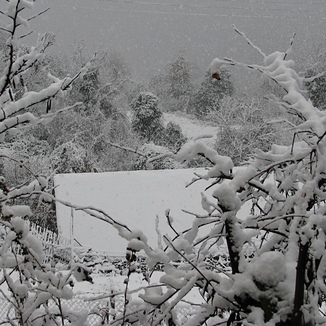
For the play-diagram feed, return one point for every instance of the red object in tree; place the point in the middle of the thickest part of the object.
(216, 76)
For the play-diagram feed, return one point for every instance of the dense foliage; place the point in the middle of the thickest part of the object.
(208, 97)
(268, 217)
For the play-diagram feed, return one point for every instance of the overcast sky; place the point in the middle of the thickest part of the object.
(150, 33)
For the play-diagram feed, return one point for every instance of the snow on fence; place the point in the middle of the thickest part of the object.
(57, 248)
(99, 312)
(54, 245)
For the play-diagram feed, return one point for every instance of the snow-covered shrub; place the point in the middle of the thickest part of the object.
(178, 78)
(269, 214)
(209, 96)
(243, 126)
(70, 158)
(311, 56)
(146, 119)
(34, 289)
(155, 158)
(171, 137)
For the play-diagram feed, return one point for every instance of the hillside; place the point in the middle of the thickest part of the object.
(191, 127)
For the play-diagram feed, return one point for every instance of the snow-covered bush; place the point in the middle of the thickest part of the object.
(71, 158)
(155, 157)
(244, 125)
(269, 214)
(210, 93)
(311, 56)
(172, 136)
(34, 290)
(178, 77)
(146, 119)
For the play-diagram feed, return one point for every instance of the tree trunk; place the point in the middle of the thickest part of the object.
(234, 255)
(297, 314)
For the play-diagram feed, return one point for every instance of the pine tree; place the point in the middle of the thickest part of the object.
(146, 120)
(179, 78)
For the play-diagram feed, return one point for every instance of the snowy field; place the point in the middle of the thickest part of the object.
(190, 127)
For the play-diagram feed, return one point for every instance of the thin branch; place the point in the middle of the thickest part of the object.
(157, 157)
(4, 29)
(290, 47)
(280, 218)
(232, 62)
(170, 224)
(249, 42)
(312, 78)
(25, 35)
(268, 230)
(194, 180)
(321, 137)
(89, 210)
(39, 14)
(128, 149)
(188, 261)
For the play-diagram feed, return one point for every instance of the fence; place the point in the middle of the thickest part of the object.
(54, 245)
(7, 312)
(59, 248)
(98, 311)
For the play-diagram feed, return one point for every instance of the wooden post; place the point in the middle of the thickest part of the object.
(72, 236)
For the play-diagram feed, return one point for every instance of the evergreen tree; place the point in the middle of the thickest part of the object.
(210, 93)
(146, 121)
(179, 78)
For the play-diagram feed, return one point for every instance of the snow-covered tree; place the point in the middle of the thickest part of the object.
(269, 217)
(210, 94)
(311, 56)
(172, 136)
(244, 125)
(316, 87)
(146, 119)
(175, 84)
(33, 289)
(179, 77)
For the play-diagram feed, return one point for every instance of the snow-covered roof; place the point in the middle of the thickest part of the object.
(133, 198)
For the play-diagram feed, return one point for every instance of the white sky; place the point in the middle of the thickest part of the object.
(151, 33)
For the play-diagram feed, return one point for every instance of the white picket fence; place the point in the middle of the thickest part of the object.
(57, 248)
(93, 309)
(98, 312)
(54, 245)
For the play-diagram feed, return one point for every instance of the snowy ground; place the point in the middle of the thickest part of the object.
(105, 284)
(191, 128)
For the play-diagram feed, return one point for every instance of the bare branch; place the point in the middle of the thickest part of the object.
(39, 14)
(4, 29)
(25, 35)
(311, 79)
(128, 149)
(290, 47)
(249, 42)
